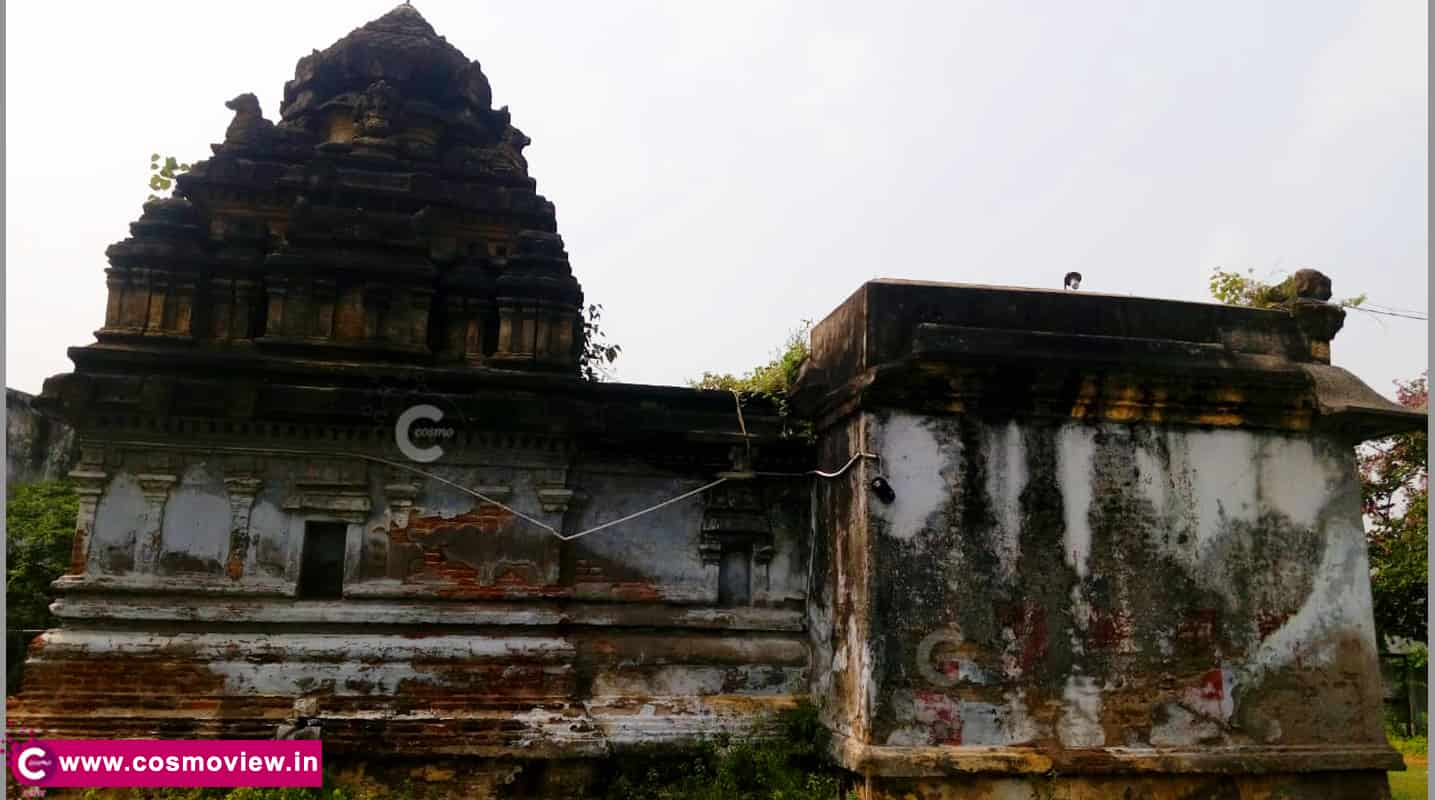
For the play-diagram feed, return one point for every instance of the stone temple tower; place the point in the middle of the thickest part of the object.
(388, 216)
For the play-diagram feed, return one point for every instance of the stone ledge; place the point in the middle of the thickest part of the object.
(921, 762)
(435, 612)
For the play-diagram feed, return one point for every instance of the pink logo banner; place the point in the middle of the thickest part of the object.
(150, 762)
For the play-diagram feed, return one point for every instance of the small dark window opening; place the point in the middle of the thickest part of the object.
(321, 572)
(735, 577)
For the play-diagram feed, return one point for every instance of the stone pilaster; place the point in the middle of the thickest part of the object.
(241, 489)
(90, 480)
(156, 488)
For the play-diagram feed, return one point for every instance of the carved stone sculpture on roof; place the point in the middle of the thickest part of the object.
(336, 228)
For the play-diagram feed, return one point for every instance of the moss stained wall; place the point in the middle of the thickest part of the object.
(1086, 585)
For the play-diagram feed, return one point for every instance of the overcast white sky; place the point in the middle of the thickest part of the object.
(725, 170)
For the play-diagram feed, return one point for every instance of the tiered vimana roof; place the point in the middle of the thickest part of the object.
(388, 216)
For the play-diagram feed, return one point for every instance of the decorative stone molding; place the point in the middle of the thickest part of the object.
(156, 488)
(332, 488)
(344, 503)
(554, 500)
(735, 520)
(242, 491)
(400, 494)
(499, 493)
(90, 481)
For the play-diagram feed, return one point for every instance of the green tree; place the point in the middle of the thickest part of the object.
(40, 528)
(1395, 488)
(772, 380)
(1245, 289)
(598, 354)
(164, 170)
(1394, 478)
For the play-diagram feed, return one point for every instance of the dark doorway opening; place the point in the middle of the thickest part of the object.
(735, 577)
(321, 572)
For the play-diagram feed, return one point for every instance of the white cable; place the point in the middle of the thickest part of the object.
(510, 509)
(819, 473)
(636, 514)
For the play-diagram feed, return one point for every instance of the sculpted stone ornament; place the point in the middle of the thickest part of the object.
(1311, 285)
(249, 128)
(1316, 317)
(376, 112)
(510, 150)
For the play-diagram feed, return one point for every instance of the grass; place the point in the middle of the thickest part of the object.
(1412, 783)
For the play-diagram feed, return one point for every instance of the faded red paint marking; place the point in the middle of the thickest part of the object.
(77, 552)
(1212, 685)
(235, 567)
(1107, 628)
(1027, 622)
(942, 714)
(1201, 630)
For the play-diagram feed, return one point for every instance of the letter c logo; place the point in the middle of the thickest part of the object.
(32, 754)
(402, 437)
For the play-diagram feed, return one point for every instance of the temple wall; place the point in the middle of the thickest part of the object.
(1122, 549)
(412, 535)
(1097, 585)
(488, 633)
(38, 446)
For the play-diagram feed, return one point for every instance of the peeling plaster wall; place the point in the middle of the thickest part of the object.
(837, 622)
(547, 647)
(118, 523)
(1096, 585)
(195, 531)
(419, 536)
(660, 548)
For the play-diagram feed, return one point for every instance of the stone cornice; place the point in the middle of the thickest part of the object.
(1062, 356)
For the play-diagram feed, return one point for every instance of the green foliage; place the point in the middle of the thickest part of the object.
(772, 380)
(329, 791)
(1417, 745)
(790, 766)
(596, 359)
(1238, 289)
(40, 527)
(164, 170)
(1395, 490)
(1420, 657)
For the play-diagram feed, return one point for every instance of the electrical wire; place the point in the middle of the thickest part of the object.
(1383, 307)
(819, 473)
(1420, 317)
(746, 440)
(510, 509)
